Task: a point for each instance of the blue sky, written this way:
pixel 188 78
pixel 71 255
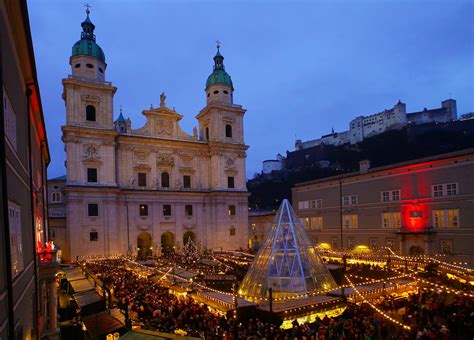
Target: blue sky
pixel 298 67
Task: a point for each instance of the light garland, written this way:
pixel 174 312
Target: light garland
pixel 388 317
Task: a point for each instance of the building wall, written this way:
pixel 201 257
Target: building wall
pixel 415 182
pixel 23 220
pixel 259 223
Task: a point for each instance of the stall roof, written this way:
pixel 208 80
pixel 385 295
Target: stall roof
pixel 141 334
pixel 86 298
pixel 81 285
pixel 104 323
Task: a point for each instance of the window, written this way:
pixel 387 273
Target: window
pixel 207 133
pixel 216 92
pixel 232 231
pixel 90 113
pixel 350 242
pixel 446 246
pixel 391 220
pixel 228 131
pixel 90 66
pixel 9 119
pixel 446 218
pixel 317 222
pixel 165 180
pixel 231 210
pixel 188 210
pixel 230 182
pixel 350 221
pixel 93 209
pixel 187 181
pixel 334 242
pixel 55 197
pixel 93 236
pixel 166 210
pixel 449 189
pixel 101 70
pixel 77 65
pixel 316 203
pixel 306 224
pixel 142 179
pixel 143 210
pixel 16 242
pixel 391 195
pixel 349 200
pixel 226 92
pixel 373 243
pixel 92 175
pixel 303 205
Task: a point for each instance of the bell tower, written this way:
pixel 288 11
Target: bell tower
pixel 88 96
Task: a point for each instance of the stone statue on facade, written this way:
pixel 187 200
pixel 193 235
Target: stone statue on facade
pixel 162 99
pixel 131 181
pixel 156 183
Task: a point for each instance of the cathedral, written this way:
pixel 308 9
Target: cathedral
pixel 151 189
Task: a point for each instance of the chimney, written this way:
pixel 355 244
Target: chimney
pixel 364 165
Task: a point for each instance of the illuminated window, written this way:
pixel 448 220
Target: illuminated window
pixel 350 242
pixel 16 242
pixel 391 220
pixel 316 203
pixel 306 224
pixel 334 242
pixel 446 218
pixel 316 222
pixel 143 210
pixel 350 221
pixel 231 210
pixel 349 200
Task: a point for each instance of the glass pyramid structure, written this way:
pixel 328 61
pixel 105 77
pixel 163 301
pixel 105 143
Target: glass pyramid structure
pixel 287 261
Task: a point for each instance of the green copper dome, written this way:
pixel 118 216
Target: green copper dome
pixel 87 45
pixel 219 75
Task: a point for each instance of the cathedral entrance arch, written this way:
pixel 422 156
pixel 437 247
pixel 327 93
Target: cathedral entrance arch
pixel 189 236
pixel 144 245
pixel 416 250
pixel 167 242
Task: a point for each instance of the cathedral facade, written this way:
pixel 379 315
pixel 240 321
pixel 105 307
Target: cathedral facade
pixel 151 189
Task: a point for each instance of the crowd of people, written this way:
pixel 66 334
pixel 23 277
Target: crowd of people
pixel 430 315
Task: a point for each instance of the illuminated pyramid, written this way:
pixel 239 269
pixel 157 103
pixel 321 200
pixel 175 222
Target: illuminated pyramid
pixel 287 261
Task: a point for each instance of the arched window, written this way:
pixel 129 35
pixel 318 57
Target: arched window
pixel 207 133
pixel 228 131
pixel 56 197
pixel 90 113
pixel 165 180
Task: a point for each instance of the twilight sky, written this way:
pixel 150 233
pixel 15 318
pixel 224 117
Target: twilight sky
pixel 298 67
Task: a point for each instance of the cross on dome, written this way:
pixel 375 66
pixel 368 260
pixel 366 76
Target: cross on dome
pixel 87 6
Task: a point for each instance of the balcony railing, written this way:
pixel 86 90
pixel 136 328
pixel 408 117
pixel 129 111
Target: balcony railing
pixel 88 80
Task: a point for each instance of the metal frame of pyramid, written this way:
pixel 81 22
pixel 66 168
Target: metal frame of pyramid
pixel 287 261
